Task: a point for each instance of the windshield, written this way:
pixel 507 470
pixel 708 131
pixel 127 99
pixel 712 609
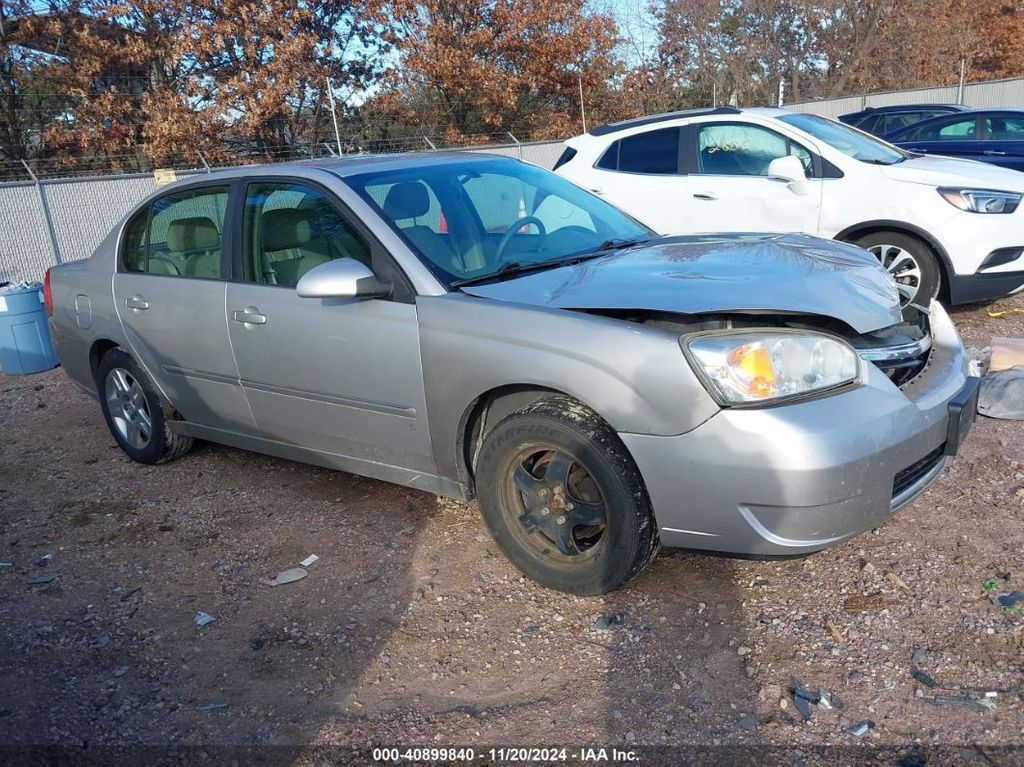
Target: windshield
pixel 469 218
pixel 852 143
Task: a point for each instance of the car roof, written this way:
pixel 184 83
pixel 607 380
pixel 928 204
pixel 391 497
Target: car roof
pixel 907 108
pixel 348 165
pixel 636 122
pixel 975 113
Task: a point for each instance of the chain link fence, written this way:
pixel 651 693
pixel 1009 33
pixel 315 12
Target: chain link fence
pixel 47 221
pixel 993 94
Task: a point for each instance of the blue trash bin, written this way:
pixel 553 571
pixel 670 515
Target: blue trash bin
pixel 25 345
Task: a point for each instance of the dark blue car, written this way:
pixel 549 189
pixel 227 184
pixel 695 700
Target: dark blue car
pixel 991 135
pixel 882 120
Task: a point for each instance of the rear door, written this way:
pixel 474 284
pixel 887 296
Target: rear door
pixel 954 136
pixel 641 174
pixel 1003 140
pixel 338 376
pixel 169 291
pixel 731 190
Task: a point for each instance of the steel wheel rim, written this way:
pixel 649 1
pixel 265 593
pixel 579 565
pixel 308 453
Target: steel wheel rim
pixel 557 509
pixel 128 408
pixel 903 267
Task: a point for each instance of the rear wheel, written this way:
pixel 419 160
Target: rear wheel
pixel 563 499
pixel 911 262
pixel 134 412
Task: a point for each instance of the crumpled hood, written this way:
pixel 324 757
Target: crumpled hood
pixel 953 171
pixel 759 273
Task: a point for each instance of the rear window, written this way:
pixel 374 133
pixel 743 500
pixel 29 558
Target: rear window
pixel 651 152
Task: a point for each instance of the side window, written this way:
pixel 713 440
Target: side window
pixel 133 243
pixel 733 149
pixel 899 120
pixel 1003 128
pixel 960 130
pixel 655 151
pixel 289 229
pixel 183 236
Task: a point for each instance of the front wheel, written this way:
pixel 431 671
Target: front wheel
pixel 134 413
pixel 564 500
pixel 911 262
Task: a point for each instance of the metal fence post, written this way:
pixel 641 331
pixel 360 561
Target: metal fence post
pixel 45 208
pixel 519 144
pixel 430 144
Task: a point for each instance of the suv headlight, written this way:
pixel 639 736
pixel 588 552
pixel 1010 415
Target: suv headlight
pixel 981 200
pixel 746 367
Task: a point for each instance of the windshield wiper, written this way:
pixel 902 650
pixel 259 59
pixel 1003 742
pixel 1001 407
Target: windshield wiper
pixel 510 269
pixel 515 268
pixel 620 244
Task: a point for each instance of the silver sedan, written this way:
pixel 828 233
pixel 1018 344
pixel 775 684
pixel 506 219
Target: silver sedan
pixel 476 326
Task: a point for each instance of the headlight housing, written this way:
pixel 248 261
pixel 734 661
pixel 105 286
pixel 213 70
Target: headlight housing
pixel 750 367
pixel 981 200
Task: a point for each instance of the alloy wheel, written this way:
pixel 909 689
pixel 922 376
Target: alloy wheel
pixel 129 410
pixel 904 268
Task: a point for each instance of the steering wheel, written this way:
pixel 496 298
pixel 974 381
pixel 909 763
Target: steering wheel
pixel 499 254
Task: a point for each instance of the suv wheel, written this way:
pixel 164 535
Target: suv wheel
pixel 911 262
pixel 564 500
pixel 134 412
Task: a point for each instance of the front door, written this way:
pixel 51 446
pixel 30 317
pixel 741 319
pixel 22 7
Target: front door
pixel 731 190
pixel 338 376
pixel 169 292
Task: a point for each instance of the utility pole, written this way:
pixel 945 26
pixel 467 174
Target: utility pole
pixel 714 95
pixel 960 90
pixel 782 90
pixel 583 113
pixel 334 115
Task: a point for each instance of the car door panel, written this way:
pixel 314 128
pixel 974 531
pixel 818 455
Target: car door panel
pixel 339 376
pixel 175 323
pixel 730 191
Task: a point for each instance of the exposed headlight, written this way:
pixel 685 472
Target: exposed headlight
pixel 760 366
pixel 981 200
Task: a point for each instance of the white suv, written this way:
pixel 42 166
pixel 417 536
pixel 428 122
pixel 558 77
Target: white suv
pixel 931 221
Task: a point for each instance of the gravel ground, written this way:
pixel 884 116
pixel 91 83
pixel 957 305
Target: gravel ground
pixel 412 628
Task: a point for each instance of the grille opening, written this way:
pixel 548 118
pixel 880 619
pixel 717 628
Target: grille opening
pixel 903 371
pixel 908 476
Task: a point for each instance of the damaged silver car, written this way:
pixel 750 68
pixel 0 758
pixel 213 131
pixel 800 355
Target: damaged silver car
pixel 471 325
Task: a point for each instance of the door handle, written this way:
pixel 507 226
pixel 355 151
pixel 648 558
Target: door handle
pixel 994 152
pixel 705 196
pixel 597 190
pixel 136 302
pixel 250 315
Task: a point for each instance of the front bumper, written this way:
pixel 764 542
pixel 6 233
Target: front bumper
pixel 797 478
pixel 983 286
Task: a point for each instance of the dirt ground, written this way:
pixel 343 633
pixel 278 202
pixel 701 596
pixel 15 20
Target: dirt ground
pixel 413 629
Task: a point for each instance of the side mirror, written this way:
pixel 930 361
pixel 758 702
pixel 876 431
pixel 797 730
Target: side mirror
pixel 341 278
pixel 790 170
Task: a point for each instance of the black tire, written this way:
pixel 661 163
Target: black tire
pixel 158 444
pixel 884 246
pixel 539 439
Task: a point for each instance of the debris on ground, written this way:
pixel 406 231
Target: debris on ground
pixel 1006 353
pixel 982 705
pixel 204 619
pixel 287 576
pixel 861 728
pixel 44 560
pixel 42 579
pixel 607 621
pixel 1002 394
pixel 309 561
pixel 833 630
pixel 1011 603
pixel 6 564
pixel 1005 312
